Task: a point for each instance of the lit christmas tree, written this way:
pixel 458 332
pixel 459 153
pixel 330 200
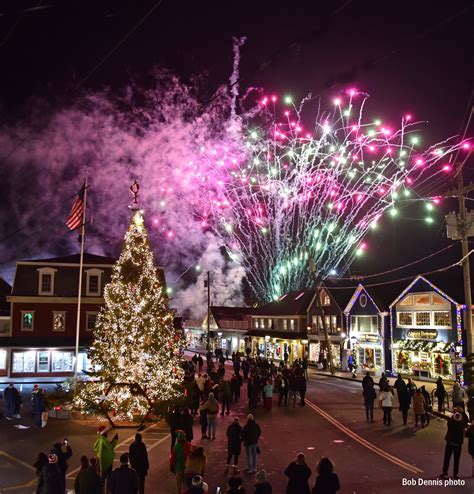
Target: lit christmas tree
pixel 136 351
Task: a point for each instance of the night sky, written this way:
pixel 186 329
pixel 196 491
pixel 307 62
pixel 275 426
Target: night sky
pixel 409 56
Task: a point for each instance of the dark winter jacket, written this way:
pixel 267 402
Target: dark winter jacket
pixel 326 484
pixel 138 458
pixel 63 456
pixel 10 394
pixel 51 480
pixel 403 400
pixel 175 421
pixel 234 437
pixel 187 427
pixel 455 433
pixel 400 385
pixel 123 480
pixel 369 395
pixel 367 381
pixel 88 481
pixel 263 488
pixel 251 433
pixel 298 476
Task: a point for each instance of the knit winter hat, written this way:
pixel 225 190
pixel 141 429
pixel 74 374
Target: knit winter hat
pixel 52 458
pixel 261 476
pixel 102 429
pixel 197 481
pixel 457 416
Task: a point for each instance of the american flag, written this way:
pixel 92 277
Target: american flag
pixel 74 220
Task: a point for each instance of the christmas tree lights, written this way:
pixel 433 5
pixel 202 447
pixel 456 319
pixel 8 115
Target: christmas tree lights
pixel 136 351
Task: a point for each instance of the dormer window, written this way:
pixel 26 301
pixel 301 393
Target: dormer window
pixel 46 281
pixel 93 282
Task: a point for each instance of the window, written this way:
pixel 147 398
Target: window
pixel 364 324
pixel 59 321
pixel 405 318
pixel 93 282
pixel 324 298
pixel 255 324
pixel 27 320
pixel 285 324
pixel 43 361
pixel 334 323
pixel 46 281
pixel 422 299
pixel 408 300
pixel 442 318
pixel 378 357
pixel 62 361
pixel 23 361
pixel 262 323
pixel 422 318
pixel 4 326
pixel 438 300
pixel 292 324
pixel 3 359
pixel 327 322
pixel 363 300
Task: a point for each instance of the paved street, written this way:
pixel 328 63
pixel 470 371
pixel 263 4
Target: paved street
pixel 369 458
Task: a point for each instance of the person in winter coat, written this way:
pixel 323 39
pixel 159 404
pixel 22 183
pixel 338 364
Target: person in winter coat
pixel 369 399
pixel 196 464
pixel 88 481
pixel 404 403
pixel 283 391
pixel 235 486
pixel 123 480
pixel 419 407
pixel 51 480
pixel 235 385
pixel 386 402
pixel 63 456
pixel 178 459
pixel 367 381
pixel 458 396
pixel 10 394
pixel 411 388
pixel 400 385
pixel 298 474
pixel 262 486
pixel 302 389
pixel 293 388
pixel 327 482
pixel 250 436
pixel 39 406
pixel 268 395
pixel 226 395
pixel 187 424
pixel 234 441
pixel 40 462
pixel 175 422
pixel 138 456
pixel 246 369
pixel 203 422
pixel 211 405
pixel 383 381
pixel 428 407
pixel 198 486
pixel 440 394
pixel 470 444
pixel 105 451
pixel 454 439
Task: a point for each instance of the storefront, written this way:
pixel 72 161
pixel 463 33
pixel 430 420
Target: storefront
pixel 275 348
pixel 231 342
pixel 369 353
pixel 318 353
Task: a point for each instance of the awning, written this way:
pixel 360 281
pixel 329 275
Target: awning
pixel 424 346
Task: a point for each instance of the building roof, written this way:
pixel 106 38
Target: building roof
pixel 231 313
pixel 5 290
pixel 341 290
pixel 290 304
pixel 73 259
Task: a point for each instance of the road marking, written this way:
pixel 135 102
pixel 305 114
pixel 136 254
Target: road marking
pixel 364 442
pixel 16 460
pixel 334 384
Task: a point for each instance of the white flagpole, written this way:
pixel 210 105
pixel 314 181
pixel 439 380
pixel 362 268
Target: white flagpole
pixel 79 291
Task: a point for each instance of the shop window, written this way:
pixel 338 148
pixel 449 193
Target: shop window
pixel 4 326
pixel 442 318
pixel 59 321
pixel 46 281
pixel 438 300
pixel 62 361
pixel 361 356
pixel 27 320
pixel 23 362
pixel 43 361
pixel 422 299
pixel 405 318
pixel 422 318
pixel 378 357
pixel 408 300
pixel 3 359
